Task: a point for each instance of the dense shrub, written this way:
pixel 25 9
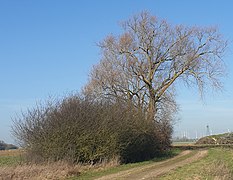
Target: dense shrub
pixel 84 130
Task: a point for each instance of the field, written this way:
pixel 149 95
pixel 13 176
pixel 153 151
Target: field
pixel 218 164
pixel 201 163
pixel 10 157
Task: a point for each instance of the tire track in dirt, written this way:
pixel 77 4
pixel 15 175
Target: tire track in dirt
pixel 158 168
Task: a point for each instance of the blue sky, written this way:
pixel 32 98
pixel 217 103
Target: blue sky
pixel 48 48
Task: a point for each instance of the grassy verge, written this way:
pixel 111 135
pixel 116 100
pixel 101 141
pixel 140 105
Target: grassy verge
pixel 10 157
pixel 217 164
pixel 12 167
pixel 9 160
pixel 95 173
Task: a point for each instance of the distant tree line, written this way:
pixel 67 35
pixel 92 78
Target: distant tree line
pixel 5 146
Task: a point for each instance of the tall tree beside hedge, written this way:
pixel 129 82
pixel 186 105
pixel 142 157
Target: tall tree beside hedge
pixel 142 64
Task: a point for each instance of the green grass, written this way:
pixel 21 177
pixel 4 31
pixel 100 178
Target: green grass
pixel 10 160
pixel 177 143
pixel 218 164
pixel 92 174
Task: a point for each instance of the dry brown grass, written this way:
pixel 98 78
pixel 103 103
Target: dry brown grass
pixel 52 171
pixel 43 171
pixel 216 171
pixel 14 152
pixel 219 171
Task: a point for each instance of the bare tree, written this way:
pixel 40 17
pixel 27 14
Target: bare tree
pixel 142 64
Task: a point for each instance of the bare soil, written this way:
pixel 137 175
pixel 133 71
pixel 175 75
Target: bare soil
pixel 157 169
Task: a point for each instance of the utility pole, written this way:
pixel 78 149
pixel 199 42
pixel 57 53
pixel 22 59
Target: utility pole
pixel 207 130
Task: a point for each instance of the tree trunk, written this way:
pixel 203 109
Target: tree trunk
pixel 151 108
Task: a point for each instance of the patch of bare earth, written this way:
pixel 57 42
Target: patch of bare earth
pixel 158 168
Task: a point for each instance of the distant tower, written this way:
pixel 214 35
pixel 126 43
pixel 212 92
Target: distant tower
pixel 207 130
